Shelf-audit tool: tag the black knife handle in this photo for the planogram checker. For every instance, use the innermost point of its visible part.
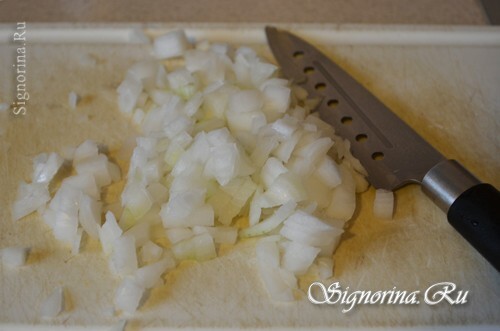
(475, 214)
(473, 208)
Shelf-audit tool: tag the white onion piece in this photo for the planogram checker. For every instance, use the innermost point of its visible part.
(343, 202)
(73, 99)
(136, 200)
(128, 93)
(383, 205)
(286, 187)
(84, 182)
(297, 257)
(77, 241)
(175, 235)
(286, 148)
(29, 198)
(269, 224)
(150, 252)
(140, 231)
(109, 232)
(171, 44)
(97, 166)
(14, 257)
(199, 248)
(329, 172)
(318, 192)
(53, 305)
(271, 170)
(325, 267)
(272, 276)
(124, 258)
(309, 230)
(221, 234)
(255, 208)
(277, 98)
(45, 169)
(128, 295)
(149, 275)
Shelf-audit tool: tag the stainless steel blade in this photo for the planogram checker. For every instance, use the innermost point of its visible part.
(392, 152)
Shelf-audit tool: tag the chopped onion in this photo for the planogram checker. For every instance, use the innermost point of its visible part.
(149, 275)
(383, 205)
(14, 256)
(221, 136)
(29, 198)
(150, 252)
(45, 167)
(199, 248)
(297, 257)
(270, 223)
(172, 44)
(109, 232)
(73, 99)
(128, 295)
(53, 305)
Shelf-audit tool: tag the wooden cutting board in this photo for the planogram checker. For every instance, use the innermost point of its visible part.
(447, 89)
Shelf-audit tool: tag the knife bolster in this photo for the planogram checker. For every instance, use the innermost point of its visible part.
(446, 181)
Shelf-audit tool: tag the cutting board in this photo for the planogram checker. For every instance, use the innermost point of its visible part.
(446, 87)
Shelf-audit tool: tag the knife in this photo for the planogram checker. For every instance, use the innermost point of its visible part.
(393, 154)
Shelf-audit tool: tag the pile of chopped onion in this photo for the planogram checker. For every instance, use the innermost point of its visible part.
(223, 138)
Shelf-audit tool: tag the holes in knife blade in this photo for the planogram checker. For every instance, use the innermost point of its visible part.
(361, 138)
(347, 120)
(298, 54)
(332, 103)
(378, 156)
(320, 86)
(309, 70)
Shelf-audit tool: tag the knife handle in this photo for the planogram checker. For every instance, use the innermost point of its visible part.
(472, 207)
(476, 215)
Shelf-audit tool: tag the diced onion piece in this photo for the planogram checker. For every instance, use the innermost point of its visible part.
(271, 170)
(325, 267)
(150, 253)
(73, 99)
(309, 230)
(86, 149)
(270, 223)
(109, 232)
(272, 276)
(128, 93)
(128, 295)
(14, 257)
(221, 235)
(285, 148)
(343, 202)
(329, 172)
(149, 275)
(137, 201)
(29, 198)
(97, 166)
(297, 257)
(53, 305)
(77, 241)
(286, 187)
(171, 44)
(277, 98)
(124, 258)
(45, 169)
(84, 182)
(175, 235)
(255, 207)
(245, 101)
(199, 248)
(383, 205)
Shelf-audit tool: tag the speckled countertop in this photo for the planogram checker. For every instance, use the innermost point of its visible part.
(443, 12)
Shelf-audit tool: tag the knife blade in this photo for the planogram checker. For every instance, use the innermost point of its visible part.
(393, 154)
